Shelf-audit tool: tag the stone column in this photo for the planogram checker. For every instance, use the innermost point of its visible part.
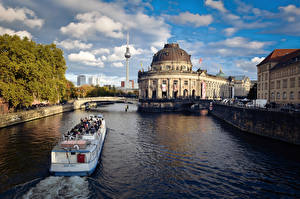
(158, 90)
(179, 88)
(149, 89)
(169, 91)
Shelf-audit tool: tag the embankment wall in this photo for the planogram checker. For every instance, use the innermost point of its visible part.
(277, 125)
(24, 116)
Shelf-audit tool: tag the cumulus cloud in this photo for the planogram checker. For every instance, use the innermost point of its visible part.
(118, 64)
(248, 67)
(21, 34)
(20, 14)
(229, 31)
(86, 58)
(100, 51)
(189, 18)
(240, 42)
(73, 44)
(91, 23)
(216, 5)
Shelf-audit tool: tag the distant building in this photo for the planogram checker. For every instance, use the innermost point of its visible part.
(131, 84)
(242, 86)
(81, 80)
(278, 77)
(94, 81)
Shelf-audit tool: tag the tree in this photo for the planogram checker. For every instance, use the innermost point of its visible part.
(253, 92)
(30, 71)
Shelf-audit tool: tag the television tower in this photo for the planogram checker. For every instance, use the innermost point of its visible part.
(127, 56)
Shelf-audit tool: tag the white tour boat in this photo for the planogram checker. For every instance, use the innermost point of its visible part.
(79, 151)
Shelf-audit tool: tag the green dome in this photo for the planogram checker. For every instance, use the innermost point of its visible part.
(221, 74)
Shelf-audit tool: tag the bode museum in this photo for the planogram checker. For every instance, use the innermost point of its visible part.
(171, 76)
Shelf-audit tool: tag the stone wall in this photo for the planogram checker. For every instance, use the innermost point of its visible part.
(24, 116)
(277, 125)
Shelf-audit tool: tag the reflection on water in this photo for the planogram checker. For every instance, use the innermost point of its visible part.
(162, 155)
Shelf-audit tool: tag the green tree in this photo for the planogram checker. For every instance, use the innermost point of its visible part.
(30, 71)
(253, 92)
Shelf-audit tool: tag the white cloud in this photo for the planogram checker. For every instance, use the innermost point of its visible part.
(291, 9)
(103, 58)
(100, 51)
(240, 42)
(257, 60)
(189, 18)
(153, 49)
(216, 5)
(229, 31)
(86, 58)
(92, 23)
(248, 67)
(20, 14)
(73, 44)
(21, 34)
(118, 64)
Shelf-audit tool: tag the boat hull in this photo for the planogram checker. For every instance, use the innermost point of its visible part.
(79, 169)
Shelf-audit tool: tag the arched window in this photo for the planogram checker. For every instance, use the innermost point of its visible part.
(284, 95)
(291, 95)
(185, 93)
(272, 96)
(278, 95)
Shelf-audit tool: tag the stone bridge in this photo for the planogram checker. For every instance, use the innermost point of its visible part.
(81, 102)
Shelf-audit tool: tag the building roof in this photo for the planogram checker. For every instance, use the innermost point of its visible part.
(220, 74)
(171, 52)
(276, 55)
(240, 77)
(288, 59)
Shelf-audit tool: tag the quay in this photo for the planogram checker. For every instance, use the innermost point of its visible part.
(25, 116)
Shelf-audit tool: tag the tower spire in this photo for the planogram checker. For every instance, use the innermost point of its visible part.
(127, 56)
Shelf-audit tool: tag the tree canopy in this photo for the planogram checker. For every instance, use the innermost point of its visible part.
(30, 71)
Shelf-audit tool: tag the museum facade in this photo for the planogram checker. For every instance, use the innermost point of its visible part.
(170, 76)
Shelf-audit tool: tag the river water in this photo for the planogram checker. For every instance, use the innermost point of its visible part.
(162, 155)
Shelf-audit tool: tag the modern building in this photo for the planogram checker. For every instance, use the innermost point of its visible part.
(130, 86)
(94, 81)
(81, 80)
(171, 76)
(278, 77)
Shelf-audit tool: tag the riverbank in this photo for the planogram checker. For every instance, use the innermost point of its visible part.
(273, 124)
(25, 116)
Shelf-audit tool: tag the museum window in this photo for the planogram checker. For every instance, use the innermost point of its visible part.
(278, 95)
(278, 84)
(284, 95)
(164, 81)
(292, 82)
(291, 95)
(266, 86)
(266, 76)
(186, 82)
(258, 96)
(272, 96)
(154, 82)
(259, 78)
(258, 87)
(284, 84)
(175, 82)
(272, 84)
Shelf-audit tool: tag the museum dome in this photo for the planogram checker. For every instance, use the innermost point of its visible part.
(171, 56)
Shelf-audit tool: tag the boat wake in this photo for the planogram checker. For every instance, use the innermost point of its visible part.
(60, 187)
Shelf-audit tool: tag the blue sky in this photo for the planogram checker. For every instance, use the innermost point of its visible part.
(234, 35)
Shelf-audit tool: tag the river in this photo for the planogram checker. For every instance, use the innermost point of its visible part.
(161, 155)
